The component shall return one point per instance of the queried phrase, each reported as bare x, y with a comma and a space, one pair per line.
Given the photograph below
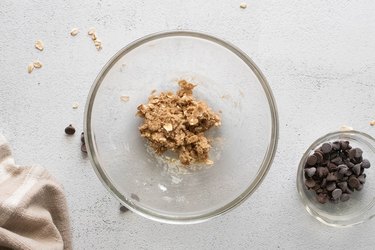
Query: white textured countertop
318, 56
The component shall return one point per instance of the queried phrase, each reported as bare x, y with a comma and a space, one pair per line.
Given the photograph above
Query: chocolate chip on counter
365, 163
344, 197
310, 171
343, 186
357, 169
362, 178
336, 193
83, 148
123, 208
331, 186
70, 130
83, 137
311, 160
353, 182
326, 148
310, 183
322, 198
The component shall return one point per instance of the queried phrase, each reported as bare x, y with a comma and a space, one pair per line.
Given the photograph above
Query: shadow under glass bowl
360, 207
242, 148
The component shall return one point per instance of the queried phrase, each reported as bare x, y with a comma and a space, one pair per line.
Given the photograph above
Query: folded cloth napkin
33, 208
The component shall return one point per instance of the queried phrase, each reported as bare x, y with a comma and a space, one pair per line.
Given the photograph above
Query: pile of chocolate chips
335, 170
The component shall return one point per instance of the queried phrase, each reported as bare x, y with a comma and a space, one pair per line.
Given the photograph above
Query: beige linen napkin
33, 209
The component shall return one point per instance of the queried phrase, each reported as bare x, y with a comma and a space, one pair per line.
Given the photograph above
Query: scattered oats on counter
243, 5
124, 98
37, 64
30, 68
177, 122
97, 42
75, 105
39, 45
74, 32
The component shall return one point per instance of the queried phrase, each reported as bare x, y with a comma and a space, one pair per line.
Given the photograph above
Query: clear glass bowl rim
300, 186
262, 172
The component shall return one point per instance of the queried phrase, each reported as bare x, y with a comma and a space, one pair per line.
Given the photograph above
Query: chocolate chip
360, 187
331, 177
83, 137
344, 144
311, 160
123, 208
353, 182
343, 169
350, 164
331, 186
365, 163
336, 145
333, 155
323, 183
83, 148
310, 183
326, 148
344, 197
70, 130
352, 153
358, 152
362, 178
310, 171
345, 178
343, 185
357, 169
337, 160
319, 156
336, 193
332, 167
322, 198
339, 176
349, 172
322, 171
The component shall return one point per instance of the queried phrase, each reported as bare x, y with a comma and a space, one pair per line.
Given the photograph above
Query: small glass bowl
360, 207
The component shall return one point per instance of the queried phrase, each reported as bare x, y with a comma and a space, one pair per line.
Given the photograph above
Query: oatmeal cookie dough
177, 122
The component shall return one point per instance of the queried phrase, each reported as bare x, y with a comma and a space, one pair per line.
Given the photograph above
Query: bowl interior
156, 186
360, 206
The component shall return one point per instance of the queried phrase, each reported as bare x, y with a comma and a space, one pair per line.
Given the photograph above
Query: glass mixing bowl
360, 207
158, 187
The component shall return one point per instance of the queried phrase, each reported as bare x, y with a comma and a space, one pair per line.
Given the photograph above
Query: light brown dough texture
177, 122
